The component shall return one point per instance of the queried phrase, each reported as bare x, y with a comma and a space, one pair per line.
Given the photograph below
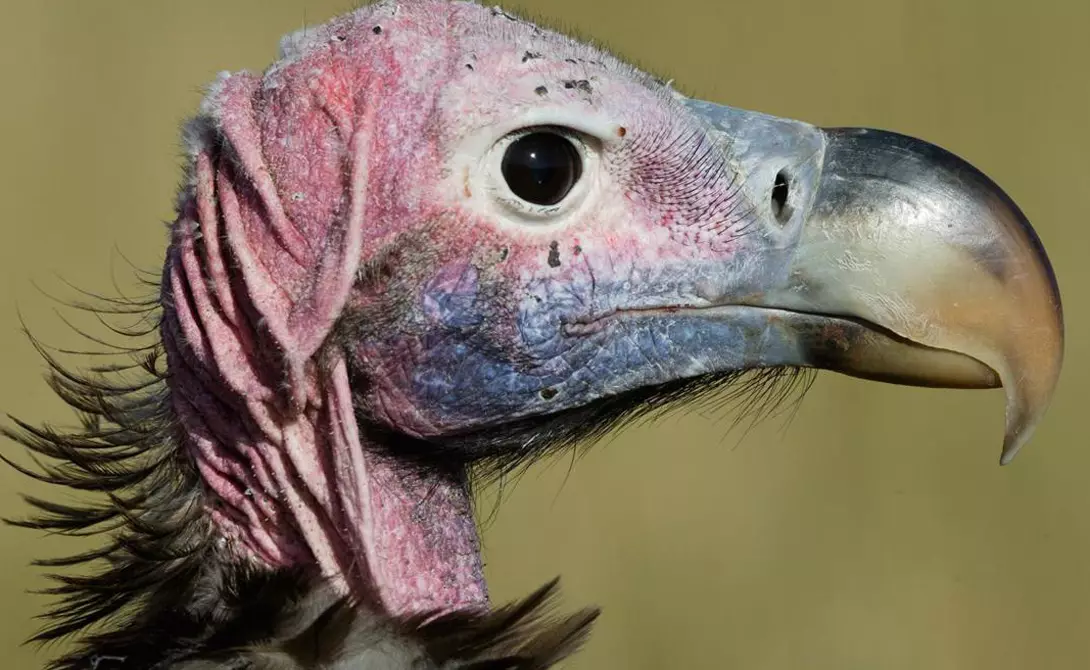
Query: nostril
780, 188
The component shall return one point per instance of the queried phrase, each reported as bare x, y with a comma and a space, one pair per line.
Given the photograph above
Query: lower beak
902, 262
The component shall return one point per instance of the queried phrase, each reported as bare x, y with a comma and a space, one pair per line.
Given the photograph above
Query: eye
541, 167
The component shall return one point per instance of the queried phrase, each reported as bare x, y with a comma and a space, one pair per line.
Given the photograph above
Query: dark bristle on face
431, 245
492, 452
171, 598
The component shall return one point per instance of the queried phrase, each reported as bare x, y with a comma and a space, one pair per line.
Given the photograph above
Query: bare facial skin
433, 234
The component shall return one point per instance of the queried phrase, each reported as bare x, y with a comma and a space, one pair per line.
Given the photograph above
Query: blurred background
873, 528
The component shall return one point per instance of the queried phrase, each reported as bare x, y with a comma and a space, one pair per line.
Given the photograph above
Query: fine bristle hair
158, 587
158, 594
135, 488
577, 33
492, 453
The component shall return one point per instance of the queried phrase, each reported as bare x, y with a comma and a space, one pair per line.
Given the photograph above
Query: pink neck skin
293, 487
265, 249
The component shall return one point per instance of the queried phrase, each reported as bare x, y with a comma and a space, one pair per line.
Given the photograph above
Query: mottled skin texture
348, 245
356, 312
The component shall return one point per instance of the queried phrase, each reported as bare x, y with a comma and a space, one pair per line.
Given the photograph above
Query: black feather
160, 594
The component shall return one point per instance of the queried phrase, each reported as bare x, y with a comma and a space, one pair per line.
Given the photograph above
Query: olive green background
872, 530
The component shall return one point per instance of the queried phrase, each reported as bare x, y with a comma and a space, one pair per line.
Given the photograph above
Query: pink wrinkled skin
304, 174
266, 249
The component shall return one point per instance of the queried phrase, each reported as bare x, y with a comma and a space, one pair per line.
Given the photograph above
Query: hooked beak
901, 262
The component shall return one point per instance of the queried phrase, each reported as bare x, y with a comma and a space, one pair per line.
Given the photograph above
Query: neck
180, 569
306, 489
265, 410
174, 582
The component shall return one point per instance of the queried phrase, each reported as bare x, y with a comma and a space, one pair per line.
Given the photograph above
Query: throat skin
403, 538
261, 392
419, 540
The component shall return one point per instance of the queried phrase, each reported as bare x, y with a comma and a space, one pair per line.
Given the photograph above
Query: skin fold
358, 308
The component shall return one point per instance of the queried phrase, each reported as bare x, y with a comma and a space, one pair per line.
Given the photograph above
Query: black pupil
541, 167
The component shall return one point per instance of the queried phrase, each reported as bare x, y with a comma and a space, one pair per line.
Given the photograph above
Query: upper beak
902, 262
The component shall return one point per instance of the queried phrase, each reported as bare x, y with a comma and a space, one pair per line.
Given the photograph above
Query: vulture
434, 241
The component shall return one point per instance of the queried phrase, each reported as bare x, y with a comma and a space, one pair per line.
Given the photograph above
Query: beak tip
1020, 424
1017, 434
1030, 384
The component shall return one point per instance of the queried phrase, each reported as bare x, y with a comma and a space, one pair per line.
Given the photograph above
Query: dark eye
541, 167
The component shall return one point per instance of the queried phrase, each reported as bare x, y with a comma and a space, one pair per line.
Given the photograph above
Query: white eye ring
528, 212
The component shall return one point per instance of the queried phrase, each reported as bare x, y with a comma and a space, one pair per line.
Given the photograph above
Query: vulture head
434, 239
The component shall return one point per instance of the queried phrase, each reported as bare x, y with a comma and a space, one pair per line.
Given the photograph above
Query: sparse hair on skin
163, 591
161, 551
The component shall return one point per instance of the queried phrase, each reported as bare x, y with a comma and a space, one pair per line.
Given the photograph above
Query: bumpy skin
498, 310
355, 310
382, 150
348, 245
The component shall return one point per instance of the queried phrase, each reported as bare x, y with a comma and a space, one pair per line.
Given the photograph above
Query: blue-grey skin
876, 267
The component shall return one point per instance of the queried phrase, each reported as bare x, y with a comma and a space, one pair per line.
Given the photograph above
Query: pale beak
902, 262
